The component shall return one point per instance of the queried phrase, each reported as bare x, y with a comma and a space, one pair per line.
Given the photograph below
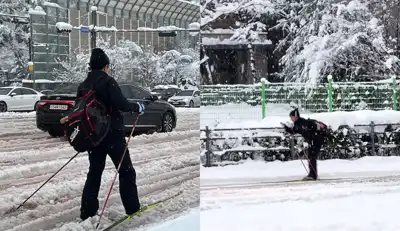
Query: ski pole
116, 173
308, 159
47, 181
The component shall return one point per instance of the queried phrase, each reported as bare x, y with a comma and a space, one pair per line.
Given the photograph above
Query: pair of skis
139, 212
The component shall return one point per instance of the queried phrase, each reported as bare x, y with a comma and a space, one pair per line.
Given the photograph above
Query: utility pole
93, 33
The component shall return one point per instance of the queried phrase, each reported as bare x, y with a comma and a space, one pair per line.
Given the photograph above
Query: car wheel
3, 106
191, 104
56, 132
167, 123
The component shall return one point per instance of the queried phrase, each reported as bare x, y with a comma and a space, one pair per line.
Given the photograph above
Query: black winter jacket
309, 129
109, 93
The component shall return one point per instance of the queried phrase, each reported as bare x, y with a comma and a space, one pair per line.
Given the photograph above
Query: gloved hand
140, 108
285, 127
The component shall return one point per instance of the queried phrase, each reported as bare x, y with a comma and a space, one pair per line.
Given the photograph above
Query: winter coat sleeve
118, 100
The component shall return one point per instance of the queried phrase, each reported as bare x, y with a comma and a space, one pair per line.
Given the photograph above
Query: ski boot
309, 178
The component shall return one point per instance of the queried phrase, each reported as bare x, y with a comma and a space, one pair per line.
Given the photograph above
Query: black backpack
88, 123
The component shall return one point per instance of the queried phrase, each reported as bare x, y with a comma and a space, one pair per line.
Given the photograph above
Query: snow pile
51, 4
189, 221
38, 10
165, 86
64, 26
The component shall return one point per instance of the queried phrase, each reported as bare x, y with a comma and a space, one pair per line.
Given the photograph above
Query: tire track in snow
69, 210
65, 152
32, 179
45, 167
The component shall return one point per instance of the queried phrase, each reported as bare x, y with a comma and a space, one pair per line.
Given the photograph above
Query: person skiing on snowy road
314, 133
108, 92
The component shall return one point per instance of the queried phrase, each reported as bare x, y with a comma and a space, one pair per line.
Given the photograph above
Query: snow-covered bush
344, 143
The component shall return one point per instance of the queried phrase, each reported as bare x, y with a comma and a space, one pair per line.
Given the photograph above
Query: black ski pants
113, 145
313, 152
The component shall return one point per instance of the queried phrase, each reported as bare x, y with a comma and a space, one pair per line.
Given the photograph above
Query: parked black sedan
159, 115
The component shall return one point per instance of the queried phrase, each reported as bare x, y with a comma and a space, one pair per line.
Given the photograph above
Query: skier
314, 133
109, 93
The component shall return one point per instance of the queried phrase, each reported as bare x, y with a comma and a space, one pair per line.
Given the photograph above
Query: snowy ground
248, 196
238, 197
165, 164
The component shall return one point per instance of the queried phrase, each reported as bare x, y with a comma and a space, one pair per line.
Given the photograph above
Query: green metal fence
348, 96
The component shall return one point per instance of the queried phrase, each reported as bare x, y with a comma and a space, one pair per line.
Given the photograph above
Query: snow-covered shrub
131, 63
344, 143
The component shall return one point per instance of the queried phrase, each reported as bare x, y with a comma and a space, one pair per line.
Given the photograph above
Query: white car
186, 98
18, 99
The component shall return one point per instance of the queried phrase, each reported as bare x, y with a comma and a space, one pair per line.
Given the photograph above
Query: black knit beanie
295, 112
98, 59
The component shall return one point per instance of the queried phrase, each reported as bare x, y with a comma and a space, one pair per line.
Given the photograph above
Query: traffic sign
84, 29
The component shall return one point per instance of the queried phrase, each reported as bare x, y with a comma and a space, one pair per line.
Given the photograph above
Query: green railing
333, 96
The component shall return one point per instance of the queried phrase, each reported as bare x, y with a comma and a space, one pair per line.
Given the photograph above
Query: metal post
93, 34
330, 94
208, 147
33, 53
372, 135
394, 94
263, 98
291, 146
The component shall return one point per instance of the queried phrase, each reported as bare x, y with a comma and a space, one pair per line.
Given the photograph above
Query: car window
17, 91
196, 93
185, 93
5, 91
139, 93
171, 91
27, 91
126, 91
65, 89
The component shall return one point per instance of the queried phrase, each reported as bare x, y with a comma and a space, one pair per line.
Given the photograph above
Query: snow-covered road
165, 164
365, 198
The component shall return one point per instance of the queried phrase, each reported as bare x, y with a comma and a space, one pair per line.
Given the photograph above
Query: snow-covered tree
244, 17
341, 39
122, 60
14, 38
146, 68
130, 63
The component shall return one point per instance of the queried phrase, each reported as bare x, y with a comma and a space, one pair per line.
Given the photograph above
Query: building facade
50, 46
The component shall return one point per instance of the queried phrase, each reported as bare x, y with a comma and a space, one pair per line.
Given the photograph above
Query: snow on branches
344, 40
242, 17
14, 38
131, 63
